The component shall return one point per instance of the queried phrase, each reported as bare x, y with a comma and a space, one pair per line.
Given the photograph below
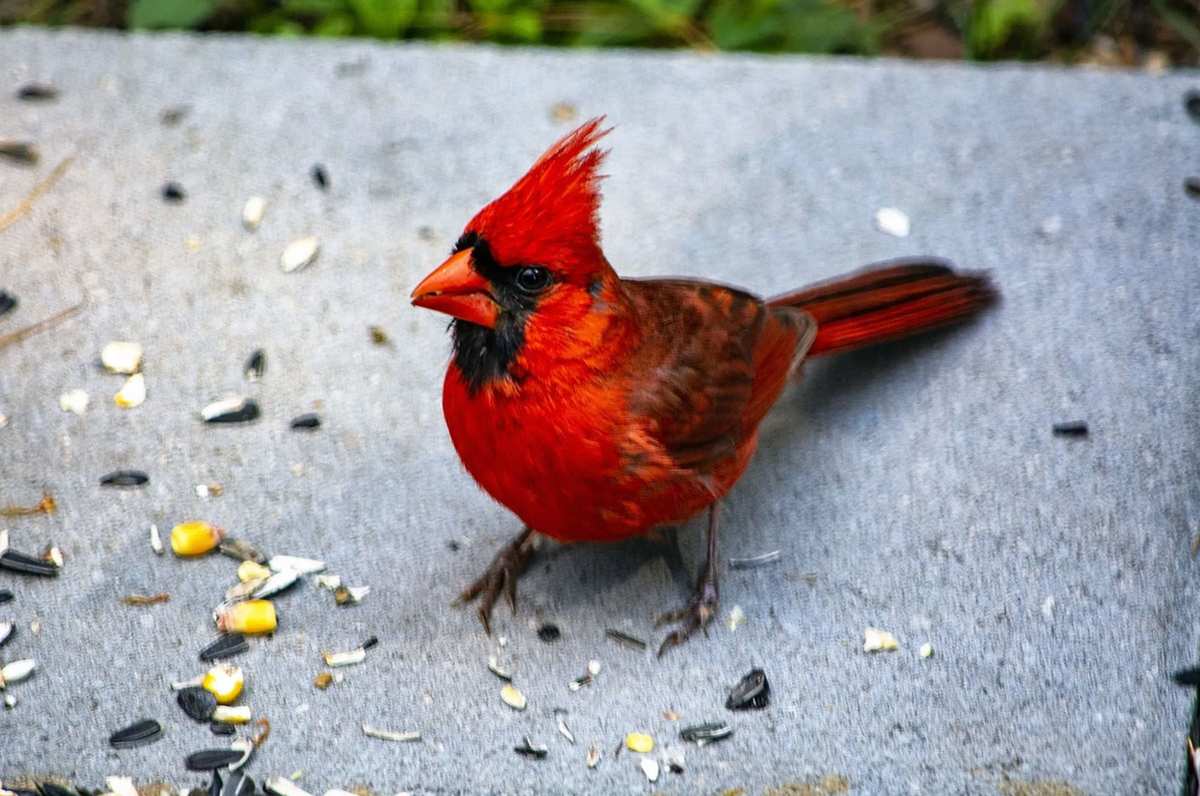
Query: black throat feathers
481, 354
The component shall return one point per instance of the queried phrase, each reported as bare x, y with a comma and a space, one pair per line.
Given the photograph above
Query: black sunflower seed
701, 734
1191, 186
1071, 428
125, 478
215, 784
224, 647
173, 116
256, 365
140, 734
5, 596
27, 565
319, 177
52, 789
6, 632
211, 759
198, 703
1187, 677
221, 728
1191, 101
33, 92
173, 192
311, 420
549, 632
753, 692
243, 412
529, 749
238, 785
8, 302
21, 152
370, 642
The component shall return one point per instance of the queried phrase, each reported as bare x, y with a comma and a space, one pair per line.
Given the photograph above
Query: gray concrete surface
916, 488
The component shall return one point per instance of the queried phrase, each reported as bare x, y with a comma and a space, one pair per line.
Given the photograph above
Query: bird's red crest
550, 216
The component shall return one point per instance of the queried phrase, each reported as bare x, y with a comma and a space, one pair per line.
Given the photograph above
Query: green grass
1126, 32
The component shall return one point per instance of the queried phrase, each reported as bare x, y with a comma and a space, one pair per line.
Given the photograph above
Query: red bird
598, 408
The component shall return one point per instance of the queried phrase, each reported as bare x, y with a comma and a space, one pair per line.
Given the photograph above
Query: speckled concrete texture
916, 487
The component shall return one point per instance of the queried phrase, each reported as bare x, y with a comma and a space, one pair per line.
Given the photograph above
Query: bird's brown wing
701, 363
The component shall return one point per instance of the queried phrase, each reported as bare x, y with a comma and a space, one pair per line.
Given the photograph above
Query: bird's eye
532, 279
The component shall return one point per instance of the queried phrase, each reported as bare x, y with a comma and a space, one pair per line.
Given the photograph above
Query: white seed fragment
335, 659
246, 747
330, 582
302, 566
156, 540
299, 254
388, 735
493, 665
227, 714
54, 555
1048, 608
15, 672
892, 221
563, 729
593, 756
195, 682
281, 786
74, 401
650, 768
926, 650
121, 357
1050, 227
512, 697
242, 591
10, 701
252, 212
275, 584
593, 668
736, 617
120, 786
876, 640
224, 406
133, 393
357, 593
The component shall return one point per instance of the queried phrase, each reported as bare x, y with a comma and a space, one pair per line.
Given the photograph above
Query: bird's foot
696, 615
500, 577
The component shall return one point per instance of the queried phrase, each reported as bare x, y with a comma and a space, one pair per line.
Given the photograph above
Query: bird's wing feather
698, 362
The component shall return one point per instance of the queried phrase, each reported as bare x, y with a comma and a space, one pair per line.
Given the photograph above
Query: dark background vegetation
1151, 34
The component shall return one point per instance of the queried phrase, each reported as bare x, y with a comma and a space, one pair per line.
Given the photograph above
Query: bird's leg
703, 605
500, 576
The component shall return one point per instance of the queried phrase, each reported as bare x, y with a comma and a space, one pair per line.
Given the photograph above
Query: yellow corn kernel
639, 742
227, 715
250, 617
225, 682
195, 538
252, 570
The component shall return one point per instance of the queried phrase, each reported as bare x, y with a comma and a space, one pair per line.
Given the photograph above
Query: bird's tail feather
888, 301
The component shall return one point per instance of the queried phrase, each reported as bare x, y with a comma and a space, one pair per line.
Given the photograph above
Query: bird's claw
499, 578
697, 615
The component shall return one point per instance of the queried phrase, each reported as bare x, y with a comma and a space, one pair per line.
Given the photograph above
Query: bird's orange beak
455, 288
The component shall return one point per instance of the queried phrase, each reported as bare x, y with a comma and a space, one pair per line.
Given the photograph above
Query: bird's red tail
888, 301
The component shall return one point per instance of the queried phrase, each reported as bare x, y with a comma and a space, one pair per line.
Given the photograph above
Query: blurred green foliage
1106, 31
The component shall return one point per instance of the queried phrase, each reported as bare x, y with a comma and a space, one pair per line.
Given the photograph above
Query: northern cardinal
598, 408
